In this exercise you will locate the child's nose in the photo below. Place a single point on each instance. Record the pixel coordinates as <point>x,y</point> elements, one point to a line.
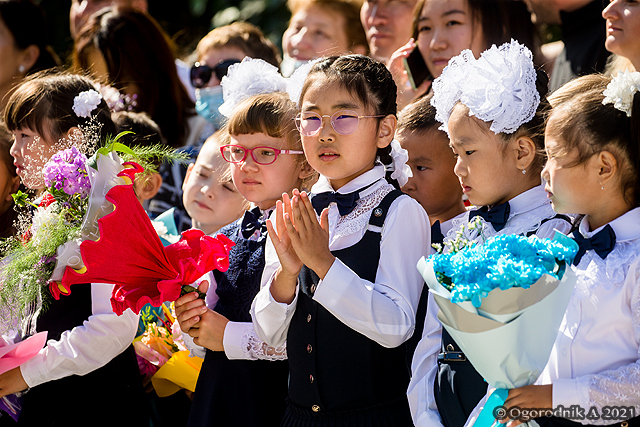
<point>327,132</point>
<point>459,168</point>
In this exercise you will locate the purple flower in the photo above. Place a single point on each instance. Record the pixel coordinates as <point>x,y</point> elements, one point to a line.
<point>67,171</point>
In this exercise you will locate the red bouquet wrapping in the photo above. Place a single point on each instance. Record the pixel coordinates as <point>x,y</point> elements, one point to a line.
<point>130,255</point>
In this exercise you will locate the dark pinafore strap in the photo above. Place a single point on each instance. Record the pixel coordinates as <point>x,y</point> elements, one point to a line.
<point>337,375</point>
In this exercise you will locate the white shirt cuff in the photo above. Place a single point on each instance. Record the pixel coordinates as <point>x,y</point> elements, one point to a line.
<point>565,392</point>
<point>232,339</point>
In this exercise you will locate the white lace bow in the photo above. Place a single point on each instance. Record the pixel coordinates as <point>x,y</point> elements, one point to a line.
<point>499,87</point>
<point>401,170</point>
<point>255,76</point>
<point>621,89</point>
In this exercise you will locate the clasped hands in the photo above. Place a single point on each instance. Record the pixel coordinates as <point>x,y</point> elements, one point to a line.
<point>299,239</point>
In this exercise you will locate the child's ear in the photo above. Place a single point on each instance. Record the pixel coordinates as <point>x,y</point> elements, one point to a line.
<point>526,152</point>
<point>15,184</point>
<point>607,167</point>
<point>29,57</point>
<point>149,187</point>
<point>386,130</point>
<point>186,176</point>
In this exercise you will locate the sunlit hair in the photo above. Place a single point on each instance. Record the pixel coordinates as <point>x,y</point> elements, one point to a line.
<point>43,103</point>
<point>582,124</point>
<point>418,117</point>
<point>272,114</point>
<point>138,54</point>
<point>243,36</point>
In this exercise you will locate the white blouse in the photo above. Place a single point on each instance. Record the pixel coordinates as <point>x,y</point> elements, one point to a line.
<point>595,361</point>
<point>527,212</point>
<point>240,340</point>
<point>384,310</point>
<point>87,347</point>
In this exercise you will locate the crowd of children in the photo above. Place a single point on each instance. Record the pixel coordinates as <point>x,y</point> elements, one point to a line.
<point>322,318</point>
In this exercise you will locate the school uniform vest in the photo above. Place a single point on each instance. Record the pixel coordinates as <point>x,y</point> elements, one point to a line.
<point>241,393</point>
<point>337,375</point>
<point>92,398</point>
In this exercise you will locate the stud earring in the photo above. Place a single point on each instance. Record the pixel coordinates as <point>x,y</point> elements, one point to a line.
<point>21,68</point>
<point>601,186</point>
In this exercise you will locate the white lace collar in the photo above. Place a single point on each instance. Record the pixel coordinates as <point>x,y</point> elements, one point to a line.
<point>367,178</point>
<point>626,227</point>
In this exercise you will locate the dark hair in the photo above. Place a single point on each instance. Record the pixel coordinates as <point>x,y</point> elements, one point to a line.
<point>349,9</point>
<point>586,124</point>
<point>244,36</point>
<point>145,131</point>
<point>534,128</point>
<point>138,52</point>
<point>419,116</point>
<point>500,20</point>
<point>365,78</point>
<point>43,102</point>
<point>25,21</point>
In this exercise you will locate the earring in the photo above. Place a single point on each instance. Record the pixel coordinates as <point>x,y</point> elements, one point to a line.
<point>524,171</point>
<point>21,69</point>
<point>601,186</point>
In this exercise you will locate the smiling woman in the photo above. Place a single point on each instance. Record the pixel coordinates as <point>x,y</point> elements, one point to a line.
<point>444,28</point>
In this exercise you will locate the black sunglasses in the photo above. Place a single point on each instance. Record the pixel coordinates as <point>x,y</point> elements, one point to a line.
<point>201,74</point>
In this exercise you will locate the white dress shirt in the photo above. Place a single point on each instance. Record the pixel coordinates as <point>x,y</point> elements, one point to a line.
<point>240,340</point>
<point>595,361</point>
<point>384,310</point>
<point>527,211</point>
<point>86,347</point>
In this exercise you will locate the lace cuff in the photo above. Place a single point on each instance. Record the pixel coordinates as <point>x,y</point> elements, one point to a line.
<point>241,342</point>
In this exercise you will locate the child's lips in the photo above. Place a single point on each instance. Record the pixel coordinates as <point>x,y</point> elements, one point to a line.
<point>327,155</point>
<point>202,205</point>
<point>250,182</point>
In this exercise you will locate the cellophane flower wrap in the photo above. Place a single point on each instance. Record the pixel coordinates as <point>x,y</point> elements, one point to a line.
<point>502,302</point>
<point>163,358</point>
<point>88,221</point>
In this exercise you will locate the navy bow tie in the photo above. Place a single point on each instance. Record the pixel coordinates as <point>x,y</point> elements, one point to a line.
<point>497,215</point>
<point>436,233</point>
<point>602,243</point>
<point>345,202</point>
<point>251,222</point>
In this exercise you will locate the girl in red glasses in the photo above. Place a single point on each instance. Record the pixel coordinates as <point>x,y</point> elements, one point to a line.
<point>344,291</point>
<point>243,381</point>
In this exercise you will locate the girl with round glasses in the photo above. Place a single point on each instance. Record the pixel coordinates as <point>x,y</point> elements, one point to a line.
<point>345,290</point>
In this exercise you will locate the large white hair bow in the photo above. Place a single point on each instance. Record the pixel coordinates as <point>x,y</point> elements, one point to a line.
<point>499,87</point>
<point>255,76</point>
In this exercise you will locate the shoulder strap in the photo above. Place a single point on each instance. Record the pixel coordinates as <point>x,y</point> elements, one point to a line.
<point>380,212</point>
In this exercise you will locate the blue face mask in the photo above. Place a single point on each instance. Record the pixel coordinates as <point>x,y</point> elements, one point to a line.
<point>208,100</point>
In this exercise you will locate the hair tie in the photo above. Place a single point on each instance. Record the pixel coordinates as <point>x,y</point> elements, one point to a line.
<point>85,102</point>
<point>401,171</point>
<point>621,90</point>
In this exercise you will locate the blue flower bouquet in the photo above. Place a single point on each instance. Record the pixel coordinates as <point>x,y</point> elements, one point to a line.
<point>503,302</point>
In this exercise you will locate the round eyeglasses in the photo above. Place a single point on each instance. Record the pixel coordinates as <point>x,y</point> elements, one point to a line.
<point>260,155</point>
<point>201,74</point>
<point>344,122</point>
